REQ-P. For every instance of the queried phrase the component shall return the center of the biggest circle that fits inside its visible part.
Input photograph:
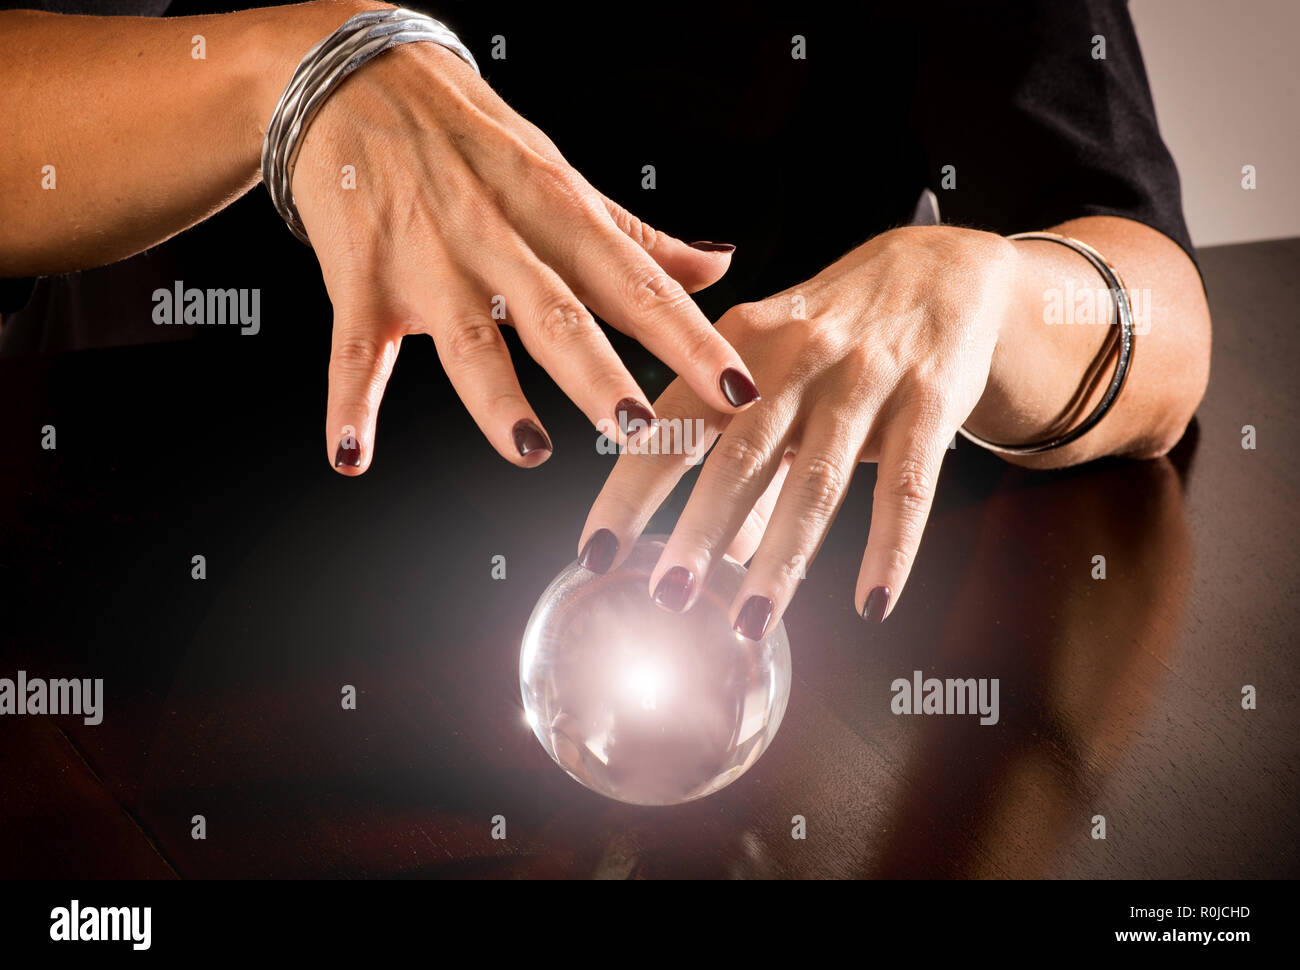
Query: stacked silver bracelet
(364, 36)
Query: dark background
(1118, 697)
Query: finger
(636, 296)
(561, 335)
(756, 523)
(694, 265)
(814, 489)
(734, 477)
(645, 474)
(622, 283)
(911, 454)
(363, 348)
(477, 362)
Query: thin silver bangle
(1124, 319)
(362, 37)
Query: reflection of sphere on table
(643, 705)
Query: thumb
(693, 265)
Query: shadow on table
(1083, 661)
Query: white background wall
(1225, 75)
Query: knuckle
(899, 561)
(560, 320)
(358, 352)
(555, 178)
(791, 569)
(358, 371)
(822, 341)
(927, 399)
(820, 485)
(785, 568)
(910, 486)
(652, 291)
(472, 340)
(740, 457)
(741, 317)
(640, 232)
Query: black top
(796, 160)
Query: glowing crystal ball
(643, 705)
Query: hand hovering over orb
(468, 207)
(459, 214)
(880, 358)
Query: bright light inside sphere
(644, 705)
(645, 681)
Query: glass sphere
(641, 704)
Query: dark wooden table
(1119, 697)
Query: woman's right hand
(462, 208)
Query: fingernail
(599, 551)
(529, 438)
(737, 388)
(706, 246)
(877, 604)
(674, 589)
(629, 412)
(753, 617)
(348, 453)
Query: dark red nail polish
(529, 438)
(348, 453)
(877, 604)
(738, 389)
(706, 246)
(633, 416)
(753, 617)
(674, 589)
(599, 551)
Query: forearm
(117, 137)
(1045, 347)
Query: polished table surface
(1119, 697)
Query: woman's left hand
(880, 358)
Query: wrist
(276, 40)
(1008, 410)
(1039, 382)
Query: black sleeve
(1038, 125)
(94, 8)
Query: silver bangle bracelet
(362, 37)
(1123, 318)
